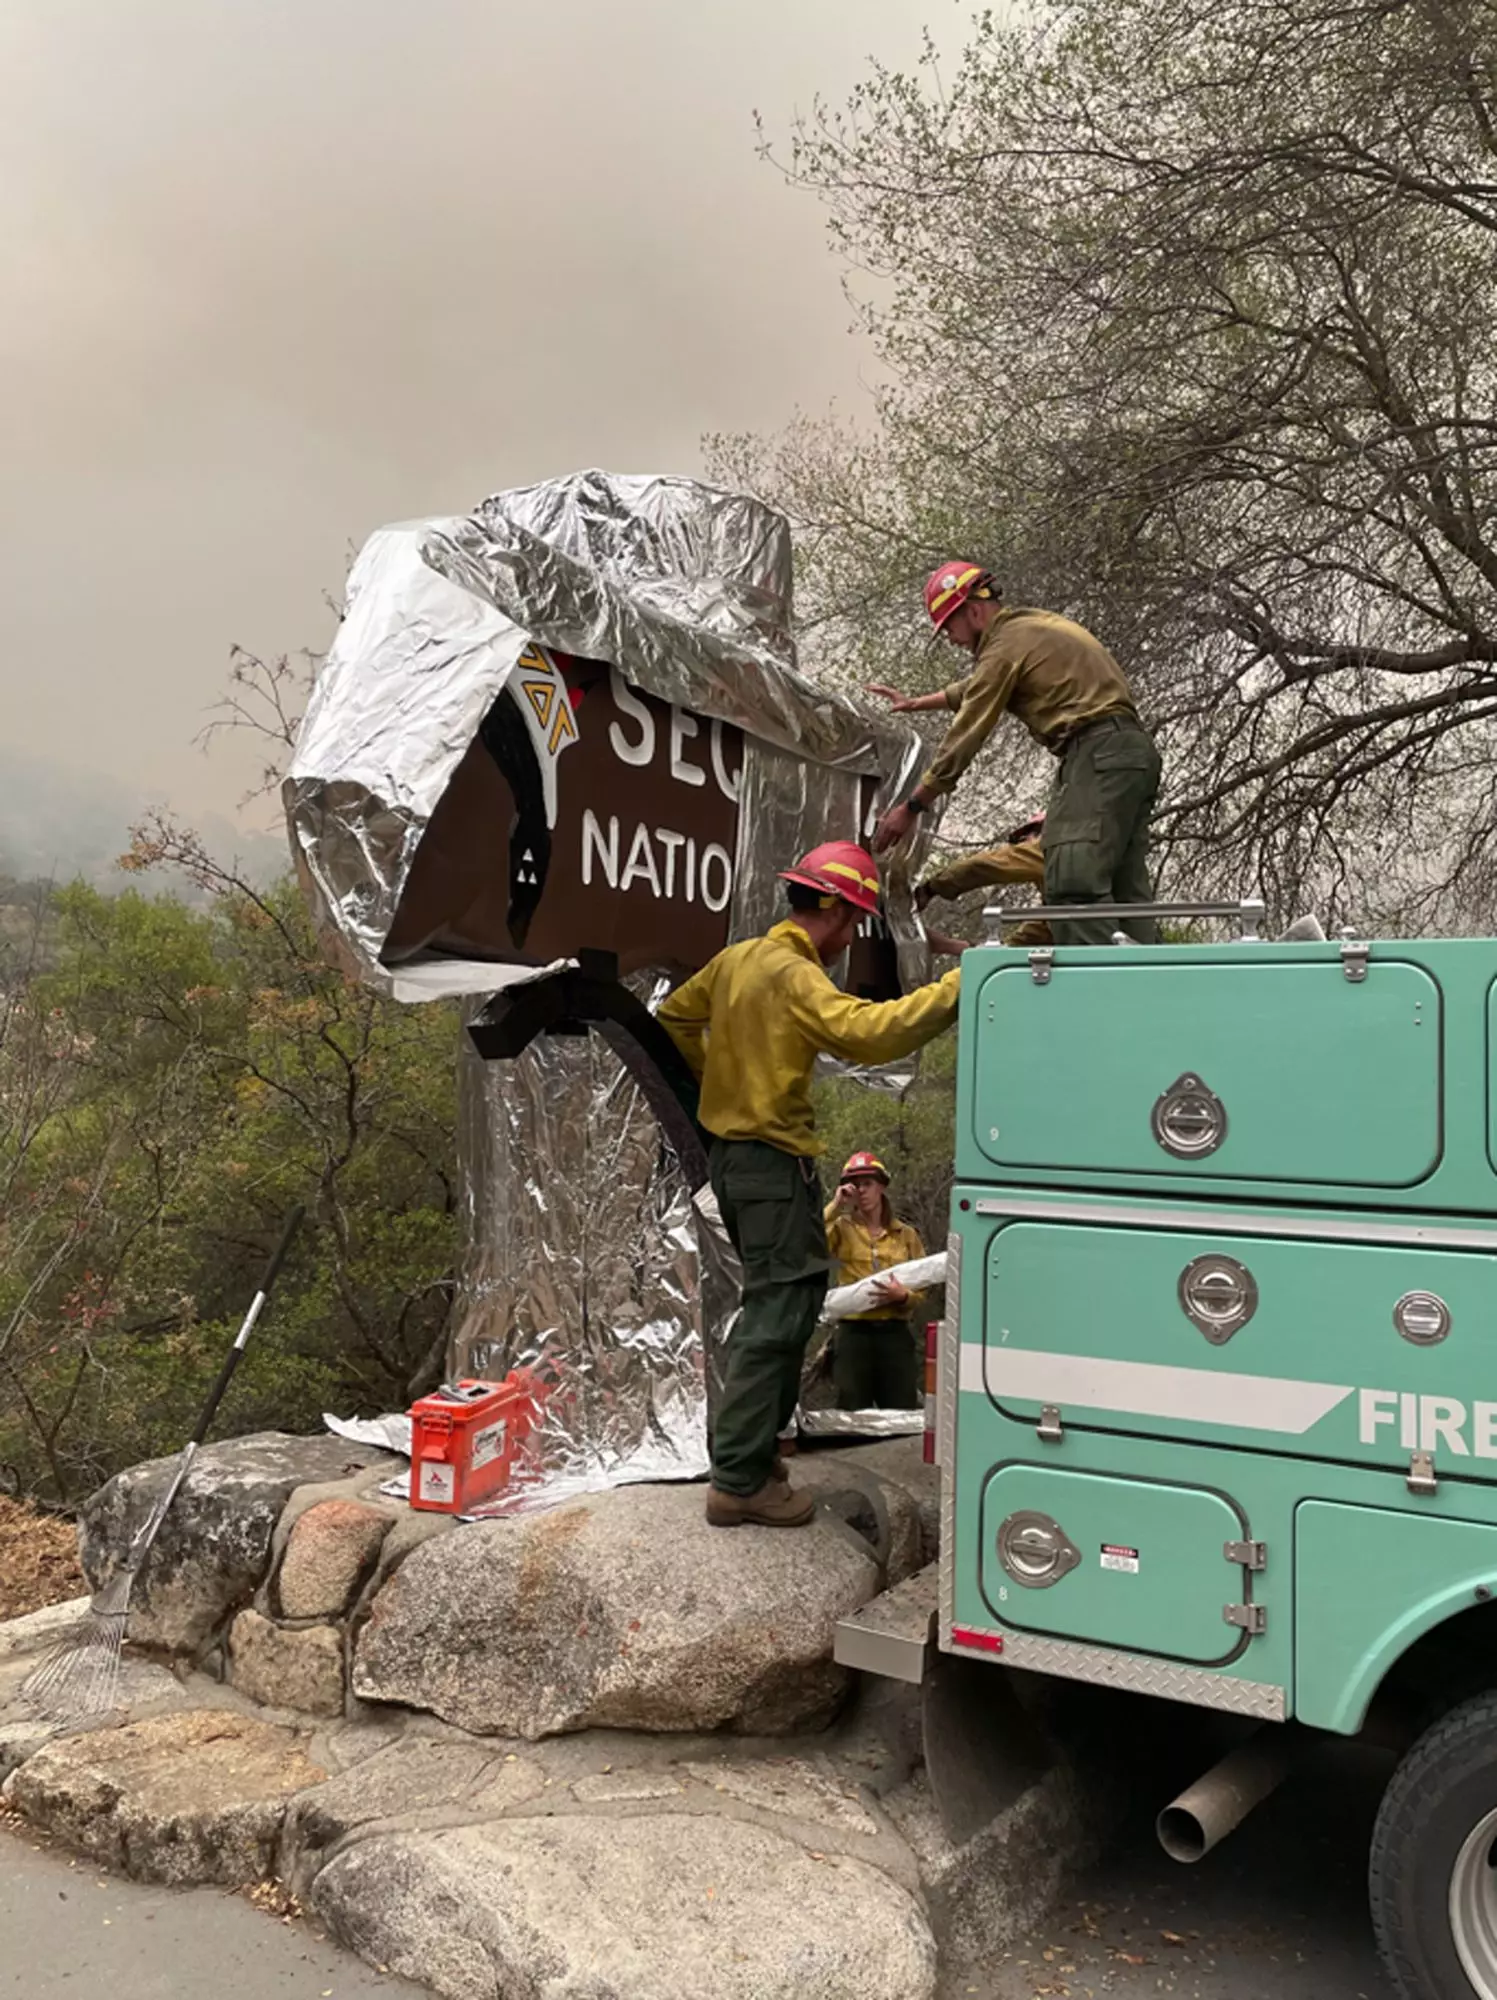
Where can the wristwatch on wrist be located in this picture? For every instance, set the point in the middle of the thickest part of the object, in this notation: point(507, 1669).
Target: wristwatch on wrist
point(914, 803)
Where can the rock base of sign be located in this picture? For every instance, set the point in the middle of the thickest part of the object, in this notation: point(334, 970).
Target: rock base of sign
point(623, 1610)
point(601, 1742)
point(668, 1905)
point(285, 1571)
point(636, 1864)
point(214, 1546)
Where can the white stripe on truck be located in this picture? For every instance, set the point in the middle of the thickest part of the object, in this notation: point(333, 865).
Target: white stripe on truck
point(1150, 1389)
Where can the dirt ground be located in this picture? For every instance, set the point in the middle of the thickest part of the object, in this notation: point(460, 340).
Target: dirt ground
point(38, 1560)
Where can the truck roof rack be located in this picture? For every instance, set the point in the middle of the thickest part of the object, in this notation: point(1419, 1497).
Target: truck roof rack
point(1249, 914)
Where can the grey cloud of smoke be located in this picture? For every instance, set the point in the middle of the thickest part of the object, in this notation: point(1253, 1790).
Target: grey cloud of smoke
point(276, 271)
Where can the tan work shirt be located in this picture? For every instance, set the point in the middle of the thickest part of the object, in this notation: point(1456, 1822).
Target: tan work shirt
point(1047, 670)
point(752, 1022)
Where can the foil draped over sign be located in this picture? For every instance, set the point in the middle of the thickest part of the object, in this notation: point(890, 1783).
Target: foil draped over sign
point(574, 718)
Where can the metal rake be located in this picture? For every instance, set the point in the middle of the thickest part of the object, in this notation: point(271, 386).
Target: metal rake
point(80, 1676)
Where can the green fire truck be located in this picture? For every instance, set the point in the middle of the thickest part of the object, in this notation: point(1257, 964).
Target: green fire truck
point(1216, 1393)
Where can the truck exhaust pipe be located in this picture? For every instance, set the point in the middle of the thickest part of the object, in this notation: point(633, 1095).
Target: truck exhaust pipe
point(1207, 1811)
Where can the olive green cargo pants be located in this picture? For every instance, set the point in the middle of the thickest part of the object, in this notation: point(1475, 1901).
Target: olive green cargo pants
point(1097, 828)
point(873, 1365)
point(771, 1206)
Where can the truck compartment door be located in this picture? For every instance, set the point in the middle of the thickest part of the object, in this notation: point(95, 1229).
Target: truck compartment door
point(1117, 1562)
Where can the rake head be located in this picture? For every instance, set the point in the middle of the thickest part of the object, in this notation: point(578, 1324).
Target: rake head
point(81, 1674)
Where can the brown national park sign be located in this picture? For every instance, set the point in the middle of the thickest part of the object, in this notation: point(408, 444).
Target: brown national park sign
point(589, 814)
point(585, 813)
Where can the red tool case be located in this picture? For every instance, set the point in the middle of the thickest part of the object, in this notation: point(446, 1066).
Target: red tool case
point(465, 1440)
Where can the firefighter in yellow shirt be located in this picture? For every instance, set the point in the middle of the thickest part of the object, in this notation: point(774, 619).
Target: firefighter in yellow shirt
point(873, 1353)
point(751, 1024)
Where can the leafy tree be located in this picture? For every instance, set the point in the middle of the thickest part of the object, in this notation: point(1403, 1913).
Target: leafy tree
point(1189, 312)
point(172, 1081)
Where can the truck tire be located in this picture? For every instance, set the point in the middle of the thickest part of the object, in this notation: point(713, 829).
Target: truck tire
point(1432, 1878)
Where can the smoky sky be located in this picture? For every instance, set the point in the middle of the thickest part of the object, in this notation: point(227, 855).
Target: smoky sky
point(278, 271)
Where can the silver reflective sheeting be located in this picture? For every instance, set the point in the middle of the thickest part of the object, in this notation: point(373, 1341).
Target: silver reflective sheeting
point(685, 589)
point(584, 1257)
point(861, 1423)
point(583, 1263)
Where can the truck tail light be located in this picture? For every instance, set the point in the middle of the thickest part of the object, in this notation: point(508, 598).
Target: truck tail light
point(975, 1640)
point(932, 1340)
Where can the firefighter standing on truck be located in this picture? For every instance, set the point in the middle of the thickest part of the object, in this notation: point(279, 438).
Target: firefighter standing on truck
point(873, 1352)
point(1073, 697)
point(751, 1024)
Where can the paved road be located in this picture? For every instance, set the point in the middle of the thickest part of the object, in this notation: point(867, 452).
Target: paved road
point(1279, 1910)
point(68, 1932)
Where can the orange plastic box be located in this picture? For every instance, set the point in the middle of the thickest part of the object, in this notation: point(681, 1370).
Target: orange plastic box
point(464, 1442)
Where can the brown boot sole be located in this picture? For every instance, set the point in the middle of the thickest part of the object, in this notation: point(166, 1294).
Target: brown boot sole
point(726, 1510)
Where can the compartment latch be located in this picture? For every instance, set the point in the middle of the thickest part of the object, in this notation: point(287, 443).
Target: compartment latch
point(1041, 961)
point(1048, 1429)
point(1421, 1477)
point(1354, 959)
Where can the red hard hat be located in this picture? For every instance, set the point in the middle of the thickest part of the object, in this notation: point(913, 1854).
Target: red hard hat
point(948, 588)
point(839, 868)
point(865, 1163)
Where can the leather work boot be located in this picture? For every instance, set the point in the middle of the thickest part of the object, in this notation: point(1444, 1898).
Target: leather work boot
point(775, 1505)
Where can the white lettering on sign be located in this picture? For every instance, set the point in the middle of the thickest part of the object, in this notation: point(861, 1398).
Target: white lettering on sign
point(1373, 1413)
point(592, 841)
point(670, 841)
point(641, 861)
point(1429, 1423)
point(624, 698)
point(717, 857)
point(1440, 1420)
point(729, 786)
point(655, 860)
point(682, 726)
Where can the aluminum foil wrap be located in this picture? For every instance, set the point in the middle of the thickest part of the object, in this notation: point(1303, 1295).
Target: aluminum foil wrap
point(686, 589)
point(586, 1264)
point(585, 1259)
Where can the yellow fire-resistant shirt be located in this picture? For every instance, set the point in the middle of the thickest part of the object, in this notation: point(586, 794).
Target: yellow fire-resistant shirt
point(1046, 670)
point(752, 1022)
point(857, 1254)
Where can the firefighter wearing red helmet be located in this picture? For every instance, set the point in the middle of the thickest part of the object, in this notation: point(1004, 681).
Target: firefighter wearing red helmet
point(1073, 697)
point(751, 1024)
point(873, 1351)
